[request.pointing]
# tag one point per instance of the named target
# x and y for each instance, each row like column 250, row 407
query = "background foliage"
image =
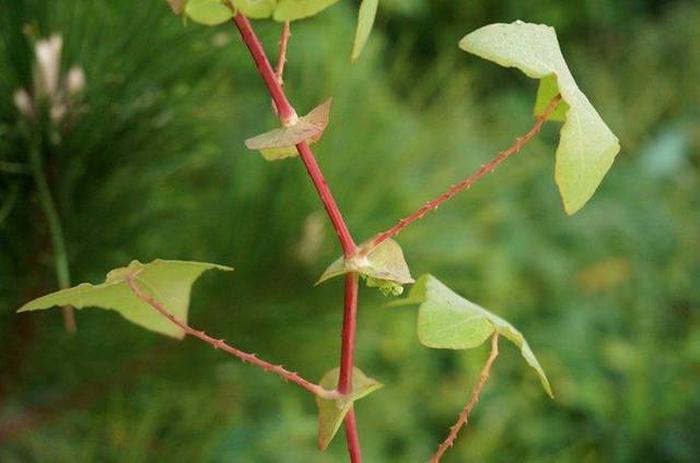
column 154, row 166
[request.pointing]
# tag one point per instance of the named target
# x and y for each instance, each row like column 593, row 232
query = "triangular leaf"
column 291, row 10
column 331, row 413
column 365, row 21
column 208, row 12
column 587, row 147
column 256, row 9
column 383, row 266
column 280, row 143
column 168, row 281
column 446, row 320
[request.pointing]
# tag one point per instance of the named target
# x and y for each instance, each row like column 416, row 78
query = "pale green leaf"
column 365, row 21
column 256, row 9
column 446, row 320
column 332, row 412
column 383, row 266
column 291, row 10
column 587, row 147
column 208, row 12
column 280, row 143
column 167, row 281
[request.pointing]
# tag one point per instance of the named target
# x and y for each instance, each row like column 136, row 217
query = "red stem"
column 288, row 116
column 473, row 399
column 475, row 177
column 279, row 370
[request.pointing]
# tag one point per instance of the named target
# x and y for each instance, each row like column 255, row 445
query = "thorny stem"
column 473, row 399
column 475, row 177
column 253, row 359
column 58, row 244
column 282, row 55
column 288, row 116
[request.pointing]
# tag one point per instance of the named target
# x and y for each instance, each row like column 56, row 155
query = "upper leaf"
column 383, row 266
column 587, row 147
column 291, row 10
column 167, row 281
column 446, row 320
column 256, row 9
column 331, row 413
column 365, row 21
column 280, row 143
column 208, row 12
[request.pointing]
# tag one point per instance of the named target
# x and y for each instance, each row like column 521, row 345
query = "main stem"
column 288, row 116
column 58, row 244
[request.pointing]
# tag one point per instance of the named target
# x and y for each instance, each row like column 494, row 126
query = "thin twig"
column 473, row 399
column 279, row 370
column 14, row 168
column 282, row 55
column 475, row 177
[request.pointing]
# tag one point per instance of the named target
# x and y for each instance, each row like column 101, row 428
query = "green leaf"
column 167, row 281
column 446, row 320
column 208, row 12
column 280, row 143
column 331, row 413
column 587, row 147
column 382, row 266
column 256, row 9
column 291, row 10
column 365, row 21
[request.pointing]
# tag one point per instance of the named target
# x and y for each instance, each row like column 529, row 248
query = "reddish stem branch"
column 288, row 116
column 473, row 399
column 279, row 370
column 282, row 55
column 475, row 177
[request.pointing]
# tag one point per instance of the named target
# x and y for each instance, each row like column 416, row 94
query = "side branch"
column 473, row 399
column 475, row 177
column 279, row 370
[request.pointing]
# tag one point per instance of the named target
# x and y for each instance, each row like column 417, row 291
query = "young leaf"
column 331, row 413
column 365, row 21
column 291, row 10
column 168, row 281
column 280, row 143
column 382, row 266
column 256, row 9
column 208, row 12
column 177, row 6
column 587, row 147
column 446, row 320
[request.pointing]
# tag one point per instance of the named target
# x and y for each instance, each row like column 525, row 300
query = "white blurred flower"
column 48, row 60
column 58, row 91
column 75, row 80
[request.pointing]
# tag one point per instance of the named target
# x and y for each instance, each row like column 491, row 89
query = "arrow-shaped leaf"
column 168, row 281
column 587, row 147
column 332, row 412
column 280, row 143
column 382, row 266
column 446, row 320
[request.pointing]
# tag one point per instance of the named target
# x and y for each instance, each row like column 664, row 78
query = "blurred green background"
column 148, row 161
